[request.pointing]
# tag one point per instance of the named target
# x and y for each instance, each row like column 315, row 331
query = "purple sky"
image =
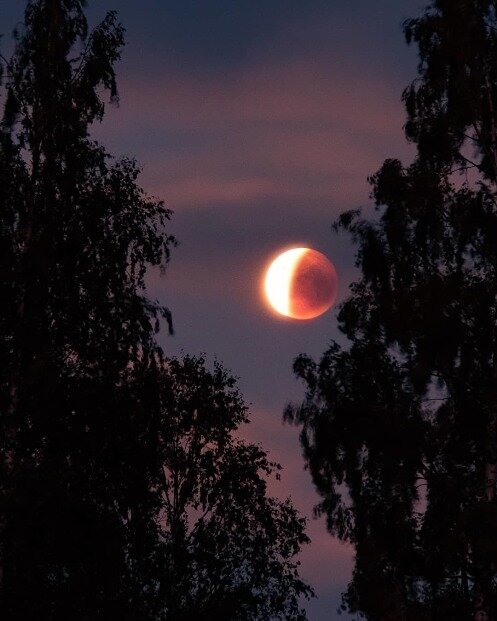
column 258, row 122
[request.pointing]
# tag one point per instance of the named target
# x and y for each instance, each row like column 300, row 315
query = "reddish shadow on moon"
column 313, row 287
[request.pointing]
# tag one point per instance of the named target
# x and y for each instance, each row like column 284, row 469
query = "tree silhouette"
column 399, row 428
column 77, row 235
column 228, row 546
column 83, row 442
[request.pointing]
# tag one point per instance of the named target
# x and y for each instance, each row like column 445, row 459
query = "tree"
column 82, row 443
column 77, row 235
column 399, row 428
column 227, row 547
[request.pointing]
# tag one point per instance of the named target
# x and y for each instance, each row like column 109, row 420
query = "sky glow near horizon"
column 258, row 123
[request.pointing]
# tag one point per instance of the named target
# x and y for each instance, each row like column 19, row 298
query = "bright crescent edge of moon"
column 279, row 277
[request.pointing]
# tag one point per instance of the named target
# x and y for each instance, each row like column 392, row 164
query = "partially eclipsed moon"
column 301, row 283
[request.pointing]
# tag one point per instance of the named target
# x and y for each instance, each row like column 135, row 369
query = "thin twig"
column 466, row 168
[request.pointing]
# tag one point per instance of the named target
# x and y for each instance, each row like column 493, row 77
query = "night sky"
column 258, row 122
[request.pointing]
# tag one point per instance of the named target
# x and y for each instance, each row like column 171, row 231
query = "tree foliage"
column 77, row 236
column 399, row 428
column 91, row 411
column 228, row 546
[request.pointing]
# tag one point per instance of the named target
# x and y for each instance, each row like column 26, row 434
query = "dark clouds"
column 216, row 35
column 258, row 122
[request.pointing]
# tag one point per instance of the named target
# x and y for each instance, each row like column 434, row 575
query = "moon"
column 301, row 283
